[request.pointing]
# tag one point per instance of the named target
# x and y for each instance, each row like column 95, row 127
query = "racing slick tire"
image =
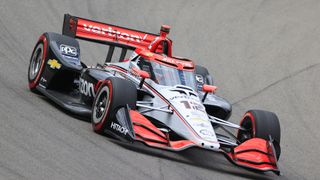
column 37, row 63
column 113, row 94
column 207, row 78
column 261, row 124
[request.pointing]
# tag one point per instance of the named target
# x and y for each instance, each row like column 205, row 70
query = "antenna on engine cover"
column 164, row 30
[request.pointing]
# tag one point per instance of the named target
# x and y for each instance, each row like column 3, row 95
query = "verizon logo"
column 113, row 33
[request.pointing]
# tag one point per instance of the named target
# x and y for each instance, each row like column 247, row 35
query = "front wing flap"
column 255, row 154
column 149, row 134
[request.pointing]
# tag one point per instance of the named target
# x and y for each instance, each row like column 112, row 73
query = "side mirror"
column 142, row 74
column 208, row 89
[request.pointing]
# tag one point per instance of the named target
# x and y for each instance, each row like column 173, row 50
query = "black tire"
column 113, row 94
column 261, row 124
column 37, row 62
column 207, row 78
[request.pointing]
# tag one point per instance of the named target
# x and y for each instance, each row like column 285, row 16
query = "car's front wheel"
column 37, row 62
column 261, row 124
column 113, row 94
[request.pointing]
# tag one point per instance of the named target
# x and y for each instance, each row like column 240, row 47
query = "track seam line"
column 277, row 82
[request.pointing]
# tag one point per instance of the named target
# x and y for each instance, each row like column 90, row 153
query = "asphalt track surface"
column 263, row 54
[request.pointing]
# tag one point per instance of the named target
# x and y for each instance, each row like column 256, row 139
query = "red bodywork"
column 255, row 153
column 149, row 134
column 175, row 62
column 209, row 88
column 107, row 32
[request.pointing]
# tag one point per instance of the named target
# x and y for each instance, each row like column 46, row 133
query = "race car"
column 148, row 96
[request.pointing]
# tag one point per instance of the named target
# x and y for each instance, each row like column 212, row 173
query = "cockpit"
column 167, row 75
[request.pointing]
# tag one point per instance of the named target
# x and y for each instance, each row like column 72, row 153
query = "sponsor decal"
column 199, row 79
column 119, row 128
column 113, row 33
column 200, row 124
column 43, row 82
column 179, row 97
column 198, row 119
column 68, row 50
column 54, row 64
column 86, row 88
column 207, row 133
column 193, row 105
column 180, row 63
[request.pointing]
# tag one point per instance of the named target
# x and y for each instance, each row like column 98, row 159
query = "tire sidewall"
column 34, row 82
column 99, row 126
column 121, row 93
column 263, row 124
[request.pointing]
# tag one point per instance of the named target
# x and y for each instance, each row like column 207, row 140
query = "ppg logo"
column 68, row 50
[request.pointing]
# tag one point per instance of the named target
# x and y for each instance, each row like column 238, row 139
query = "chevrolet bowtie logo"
column 54, row 64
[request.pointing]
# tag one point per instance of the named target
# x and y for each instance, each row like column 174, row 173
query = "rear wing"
column 104, row 33
column 116, row 36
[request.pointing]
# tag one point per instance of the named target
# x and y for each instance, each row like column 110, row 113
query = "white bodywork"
column 193, row 113
column 189, row 118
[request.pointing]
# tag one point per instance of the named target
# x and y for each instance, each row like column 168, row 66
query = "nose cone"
column 187, row 103
column 210, row 145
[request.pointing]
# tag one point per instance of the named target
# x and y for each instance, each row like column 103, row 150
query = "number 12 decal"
column 193, row 105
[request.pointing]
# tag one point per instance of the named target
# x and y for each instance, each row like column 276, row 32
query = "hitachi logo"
column 119, row 128
column 113, row 33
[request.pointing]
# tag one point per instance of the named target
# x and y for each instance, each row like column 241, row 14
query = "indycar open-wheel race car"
column 150, row 96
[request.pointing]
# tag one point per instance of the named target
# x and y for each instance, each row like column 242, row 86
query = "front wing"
column 253, row 154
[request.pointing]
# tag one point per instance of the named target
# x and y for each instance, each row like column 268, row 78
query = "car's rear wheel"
column 113, row 94
column 261, row 124
column 36, row 65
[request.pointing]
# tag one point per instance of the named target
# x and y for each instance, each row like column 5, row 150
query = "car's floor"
column 71, row 101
